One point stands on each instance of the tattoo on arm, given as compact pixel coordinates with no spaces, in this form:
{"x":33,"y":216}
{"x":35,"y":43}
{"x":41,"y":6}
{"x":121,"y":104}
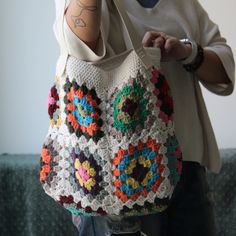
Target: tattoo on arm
{"x":78,"y":21}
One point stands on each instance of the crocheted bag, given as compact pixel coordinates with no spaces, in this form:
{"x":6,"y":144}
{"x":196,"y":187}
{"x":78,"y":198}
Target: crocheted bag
{"x":111,"y":146}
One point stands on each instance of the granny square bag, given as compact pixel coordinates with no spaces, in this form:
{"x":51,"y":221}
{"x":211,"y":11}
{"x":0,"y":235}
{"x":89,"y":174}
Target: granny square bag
{"x":111,"y":146}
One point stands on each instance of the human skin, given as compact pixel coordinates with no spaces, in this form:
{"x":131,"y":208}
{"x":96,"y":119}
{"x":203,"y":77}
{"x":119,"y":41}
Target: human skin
{"x":84,"y":19}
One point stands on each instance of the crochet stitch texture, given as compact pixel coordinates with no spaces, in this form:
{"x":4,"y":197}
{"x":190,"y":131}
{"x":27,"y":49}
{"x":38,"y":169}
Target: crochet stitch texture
{"x":114,"y":150}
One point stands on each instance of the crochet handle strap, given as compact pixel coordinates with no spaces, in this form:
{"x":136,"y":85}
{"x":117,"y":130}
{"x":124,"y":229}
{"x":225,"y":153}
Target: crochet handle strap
{"x":132,"y":35}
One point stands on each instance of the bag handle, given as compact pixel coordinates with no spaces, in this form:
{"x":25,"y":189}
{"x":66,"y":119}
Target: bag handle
{"x":132,"y":35}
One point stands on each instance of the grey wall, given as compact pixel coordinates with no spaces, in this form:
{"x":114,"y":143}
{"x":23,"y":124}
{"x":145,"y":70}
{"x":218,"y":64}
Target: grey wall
{"x":28,"y":53}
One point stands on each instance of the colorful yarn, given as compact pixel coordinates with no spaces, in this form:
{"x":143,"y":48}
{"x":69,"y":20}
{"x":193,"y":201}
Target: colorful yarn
{"x":120,"y":156}
{"x":164,"y":97}
{"x":130,"y":108}
{"x":82,"y":109}
{"x":137,"y":170}
{"x":47,"y":163}
{"x":174,"y":156}
{"x":53,"y":107}
{"x":148,"y":208}
{"x":87,"y":211}
{"x":87,"y":173}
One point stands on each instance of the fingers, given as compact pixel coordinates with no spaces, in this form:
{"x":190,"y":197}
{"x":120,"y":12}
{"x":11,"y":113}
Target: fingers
{"x":159,"y":42}
{"x":149,"y":38}
{"x":171,"y":47}
{"x":155,"y":39}
{"x":170,"y":43}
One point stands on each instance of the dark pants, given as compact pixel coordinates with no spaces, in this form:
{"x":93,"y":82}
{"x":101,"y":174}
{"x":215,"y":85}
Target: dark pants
{"x":190,"y":213}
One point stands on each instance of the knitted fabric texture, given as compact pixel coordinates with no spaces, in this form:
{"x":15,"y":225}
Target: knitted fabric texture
{"x":53,"y":106}
{"x":113,"y":150}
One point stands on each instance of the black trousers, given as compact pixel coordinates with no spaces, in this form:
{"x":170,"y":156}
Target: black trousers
{"x":191,"y":212}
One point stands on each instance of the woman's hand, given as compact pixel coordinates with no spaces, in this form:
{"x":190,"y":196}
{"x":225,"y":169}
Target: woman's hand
{"x":211,"y":71}
{"x":171,"y":47}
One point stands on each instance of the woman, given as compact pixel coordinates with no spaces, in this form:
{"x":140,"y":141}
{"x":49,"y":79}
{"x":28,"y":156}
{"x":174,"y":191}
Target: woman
{"x":93,"y":31}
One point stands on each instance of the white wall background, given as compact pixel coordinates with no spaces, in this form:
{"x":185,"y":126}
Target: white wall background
{"x":222,"y":109}
{"x":28,"y":54}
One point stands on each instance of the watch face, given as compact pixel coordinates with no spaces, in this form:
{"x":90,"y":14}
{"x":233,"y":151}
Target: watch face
{"x":185,"y":40}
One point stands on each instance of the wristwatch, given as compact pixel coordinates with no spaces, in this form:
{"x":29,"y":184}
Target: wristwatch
{"x":194,"y":52}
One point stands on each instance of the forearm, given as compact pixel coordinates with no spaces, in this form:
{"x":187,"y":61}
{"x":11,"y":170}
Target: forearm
{"x":84,"y":18}
{"x":212,"y":70}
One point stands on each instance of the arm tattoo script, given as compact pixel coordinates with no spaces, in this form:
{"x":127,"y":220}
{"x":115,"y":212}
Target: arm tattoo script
{"x":78,"y":21}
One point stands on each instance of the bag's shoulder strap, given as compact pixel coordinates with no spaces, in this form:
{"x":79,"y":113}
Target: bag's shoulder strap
{"x":131,"y":32}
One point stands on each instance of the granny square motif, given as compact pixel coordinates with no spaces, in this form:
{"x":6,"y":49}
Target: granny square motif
{"x":111,"y":146}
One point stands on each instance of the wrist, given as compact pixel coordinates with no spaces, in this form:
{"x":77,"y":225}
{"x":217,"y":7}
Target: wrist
{"x":195,"y":58}
{"x":197,"y":62}
{"x":191,"y":48}
{"x":186,"y":52}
